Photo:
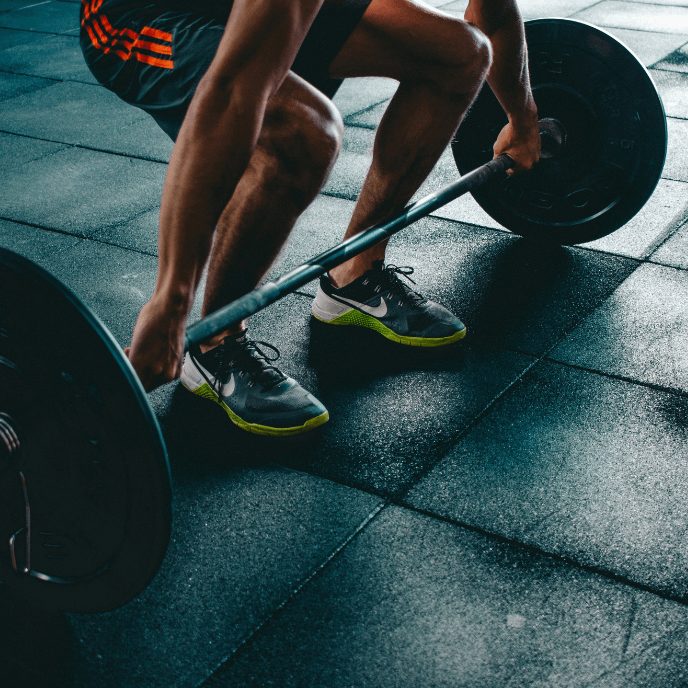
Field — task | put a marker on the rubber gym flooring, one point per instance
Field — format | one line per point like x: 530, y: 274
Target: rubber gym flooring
x: 512, y: 513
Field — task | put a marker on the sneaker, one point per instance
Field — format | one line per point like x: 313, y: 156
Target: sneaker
x: 380, y: 301
x: 239, y: 375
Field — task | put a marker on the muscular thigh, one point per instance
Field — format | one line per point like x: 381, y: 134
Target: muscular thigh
x: 401, y: 39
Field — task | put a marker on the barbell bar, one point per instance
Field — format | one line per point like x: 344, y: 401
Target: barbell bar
x: 85, y: 492
x: 268, y: 293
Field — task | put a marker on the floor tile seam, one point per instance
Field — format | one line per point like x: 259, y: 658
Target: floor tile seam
x: 586, y: 9
x: 654, y: 66
x: 43, y: 33
x: 81, y: 146
x: 53, y: 230
x: 647, y: 261
x: 122, y: 246
x: 587, y: 313
x: 539, y: 358
x: 624, y: 659
x: 357, y: 125
x: 535, y: 549
x: 666, y: 70
x: 682, y: 223
x: 136, y: 216
x: 674, y: 179
x: 37, y: 89
x: 629, y: 626
x: 27, y: 6
x: 674, y: 391
x: 651, y: 261
x: 41, y: 76
x: 655, y: 4
x: 223, y: 665
x: 43, y: 156
x: 362, y: 111
x: 382, y: 495
x: 73, y: 248
x: 626, y: 28
x: 664, y: 236
x: 81, y: 237
x: 454, y: 439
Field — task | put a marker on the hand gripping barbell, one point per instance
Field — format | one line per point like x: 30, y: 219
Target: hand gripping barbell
x: 84, y: 476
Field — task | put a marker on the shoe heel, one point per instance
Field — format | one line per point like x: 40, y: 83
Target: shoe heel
x: 326, y: 309
x: 190, y: 377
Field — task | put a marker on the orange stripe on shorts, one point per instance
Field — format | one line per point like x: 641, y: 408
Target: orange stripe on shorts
x: 154, y: 47
x: 101, y: 34
x: 156, y: 33
x: 154, y: 61
x: 125, y: 42
x: 93, y: 38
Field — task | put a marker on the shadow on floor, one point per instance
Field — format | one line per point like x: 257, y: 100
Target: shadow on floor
x: 36, y: 648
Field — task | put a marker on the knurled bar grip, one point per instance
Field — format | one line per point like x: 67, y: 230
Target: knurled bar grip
x: 268, y: 293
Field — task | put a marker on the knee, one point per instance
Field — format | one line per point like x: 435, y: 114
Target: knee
x: 320, y: 134
x: 480, y: 49
x: 304, y: 137
x: 468, y: 58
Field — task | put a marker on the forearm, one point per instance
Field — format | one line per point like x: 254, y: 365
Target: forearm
x: 213, y: 149
x: 508, y: 77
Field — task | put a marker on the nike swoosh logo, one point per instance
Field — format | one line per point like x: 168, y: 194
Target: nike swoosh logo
x: 228, y: 388
x: 378, y: 311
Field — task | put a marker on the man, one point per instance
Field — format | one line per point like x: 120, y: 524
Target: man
x: 241, y: 86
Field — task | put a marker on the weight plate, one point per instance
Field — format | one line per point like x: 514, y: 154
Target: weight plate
x: 84, y: 477
x: 616, y: 137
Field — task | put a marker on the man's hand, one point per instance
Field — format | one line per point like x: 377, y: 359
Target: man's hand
x: 157, y: 346
x: 521, y: 142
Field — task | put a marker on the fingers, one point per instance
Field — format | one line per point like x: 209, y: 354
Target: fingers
x: 524, y: 160
x: 522, y: 145
x: 152, y: 379
x: 153, y: 375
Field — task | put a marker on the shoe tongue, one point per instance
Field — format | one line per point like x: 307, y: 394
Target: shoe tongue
x: 239, y: 338
x: 267, y: 375
x: 235, y: 341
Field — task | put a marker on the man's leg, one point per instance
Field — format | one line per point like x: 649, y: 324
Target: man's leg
x: 297, y: 148
x: 298, y: 144
x: 440, y: 62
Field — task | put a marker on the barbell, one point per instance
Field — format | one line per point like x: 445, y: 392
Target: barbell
x: 85, y: 496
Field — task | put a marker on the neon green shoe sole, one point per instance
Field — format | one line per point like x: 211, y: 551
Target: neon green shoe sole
x: 355, y: 318
x: 206, y: 392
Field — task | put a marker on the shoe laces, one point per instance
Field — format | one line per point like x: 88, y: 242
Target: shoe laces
x: 244, y: 356
x: 397, y: 288
x: 255, y: 358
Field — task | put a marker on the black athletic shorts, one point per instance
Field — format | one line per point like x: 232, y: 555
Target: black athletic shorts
x: 153, y: 55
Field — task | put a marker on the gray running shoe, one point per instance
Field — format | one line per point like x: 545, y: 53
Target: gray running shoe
x: 239, y: 375
x: 380, y: 301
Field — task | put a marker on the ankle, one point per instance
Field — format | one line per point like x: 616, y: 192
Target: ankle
x: 218, y: 339
x: 350, y: 271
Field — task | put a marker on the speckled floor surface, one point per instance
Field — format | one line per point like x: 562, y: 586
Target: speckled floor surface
x: 512, y: 513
